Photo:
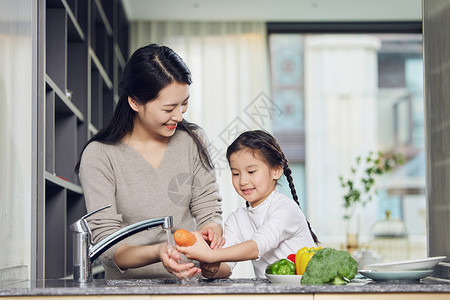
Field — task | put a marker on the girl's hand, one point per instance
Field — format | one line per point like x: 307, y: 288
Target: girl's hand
x: 200, y: 251
x: 214, y: 240
x: 170, y: 256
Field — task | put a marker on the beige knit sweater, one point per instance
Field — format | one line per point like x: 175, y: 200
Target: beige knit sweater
x: 180, y: 187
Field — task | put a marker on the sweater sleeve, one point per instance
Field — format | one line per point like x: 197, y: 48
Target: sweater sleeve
x: 98, y: 182
x: 206, y: 200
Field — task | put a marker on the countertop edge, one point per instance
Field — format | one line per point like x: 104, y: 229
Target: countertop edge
x: 230, y: 286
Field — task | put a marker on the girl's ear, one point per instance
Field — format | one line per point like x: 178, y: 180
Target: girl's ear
x: 133, y: 104
x: 277, y: 172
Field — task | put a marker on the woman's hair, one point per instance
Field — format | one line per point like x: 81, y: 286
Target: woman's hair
x: 149, y: 69
x: 268, y: 147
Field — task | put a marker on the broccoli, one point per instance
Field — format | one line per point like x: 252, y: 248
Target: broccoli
x: 330, y: 266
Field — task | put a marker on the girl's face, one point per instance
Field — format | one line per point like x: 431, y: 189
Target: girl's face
x: 159, y: 117
x: 252, y: 178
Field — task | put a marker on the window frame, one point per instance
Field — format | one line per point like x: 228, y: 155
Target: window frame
x: 344, y: 27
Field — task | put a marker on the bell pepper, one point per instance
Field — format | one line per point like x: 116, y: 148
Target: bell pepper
x: 291, y: 257
x: 302, y: 258
x: 281, y: 267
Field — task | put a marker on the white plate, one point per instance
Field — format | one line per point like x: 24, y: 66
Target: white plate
x: 407, y: 265
x: 286, y: 279
x: 395, y: 275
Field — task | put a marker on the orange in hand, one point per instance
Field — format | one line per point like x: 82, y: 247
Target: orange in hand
x: 184, y: 238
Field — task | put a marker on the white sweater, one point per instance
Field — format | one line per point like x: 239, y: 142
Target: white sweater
x: 278, y: 226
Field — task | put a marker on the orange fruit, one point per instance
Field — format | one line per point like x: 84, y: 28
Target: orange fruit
x: 184, y: 238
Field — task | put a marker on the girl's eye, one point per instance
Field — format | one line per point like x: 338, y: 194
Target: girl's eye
x: 251, y: 172
x: 235, y: 174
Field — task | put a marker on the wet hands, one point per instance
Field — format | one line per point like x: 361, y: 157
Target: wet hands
x: 210, y: 241
x: 202, y: 250
x: 171, y: 259
x: 177, y: 263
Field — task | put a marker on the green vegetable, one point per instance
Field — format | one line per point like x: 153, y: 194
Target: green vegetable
x: 281, y: 267
x: 330, y: 266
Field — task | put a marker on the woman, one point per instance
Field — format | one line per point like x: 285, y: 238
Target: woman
x: 149, y: 162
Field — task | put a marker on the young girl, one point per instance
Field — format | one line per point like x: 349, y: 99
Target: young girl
x: 271, y: 227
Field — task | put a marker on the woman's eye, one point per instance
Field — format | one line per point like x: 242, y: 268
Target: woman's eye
x: 251, y: 172
x: 235, y: 174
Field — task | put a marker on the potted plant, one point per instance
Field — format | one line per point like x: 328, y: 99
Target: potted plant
x: 360, y: 188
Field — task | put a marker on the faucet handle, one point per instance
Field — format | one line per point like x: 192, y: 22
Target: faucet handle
x: 81, y: 225
x: 93, y: 212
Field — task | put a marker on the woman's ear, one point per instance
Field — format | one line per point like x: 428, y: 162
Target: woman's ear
x: 133, y: 104
x: 277, y: 172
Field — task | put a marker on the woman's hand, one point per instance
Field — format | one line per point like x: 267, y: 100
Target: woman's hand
x: 214, y: 240
x: 170, y: 256
x: 209, y: 270
x: 200, y: 251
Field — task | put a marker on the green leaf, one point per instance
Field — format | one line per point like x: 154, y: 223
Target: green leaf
x: 376, y: 165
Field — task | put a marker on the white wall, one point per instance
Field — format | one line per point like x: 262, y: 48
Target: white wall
x: 15, y: 138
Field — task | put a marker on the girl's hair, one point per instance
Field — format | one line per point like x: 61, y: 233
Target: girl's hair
x: 149, y: 69
x: 268, y: 147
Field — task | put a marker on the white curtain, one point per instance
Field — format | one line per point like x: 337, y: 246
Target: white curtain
x: 17, y: 134
x: 229, y: 94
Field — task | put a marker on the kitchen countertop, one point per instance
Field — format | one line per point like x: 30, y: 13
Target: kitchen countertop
x: 58, y: 287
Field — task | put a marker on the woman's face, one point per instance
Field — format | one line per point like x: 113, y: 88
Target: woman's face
x: 159, y: 117
x: 252, y: 178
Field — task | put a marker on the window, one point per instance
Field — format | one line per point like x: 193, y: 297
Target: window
x: 343, y: 95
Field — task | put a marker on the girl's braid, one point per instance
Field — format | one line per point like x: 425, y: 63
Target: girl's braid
x: 287, y: 172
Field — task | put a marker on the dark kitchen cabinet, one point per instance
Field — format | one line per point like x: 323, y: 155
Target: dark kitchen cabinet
x: 82, y: 48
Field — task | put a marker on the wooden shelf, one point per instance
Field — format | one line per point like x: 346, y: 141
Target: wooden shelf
x: 104, y: 18
x: 101, y: 69
x: 58, y: 181
x: 74, y: 30
x: 93, y: 129
x: 71, y: 108
x: 119, y: 56
x: 85, y: 44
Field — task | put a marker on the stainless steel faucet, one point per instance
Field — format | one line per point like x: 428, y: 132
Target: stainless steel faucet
x: 85, y: 252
